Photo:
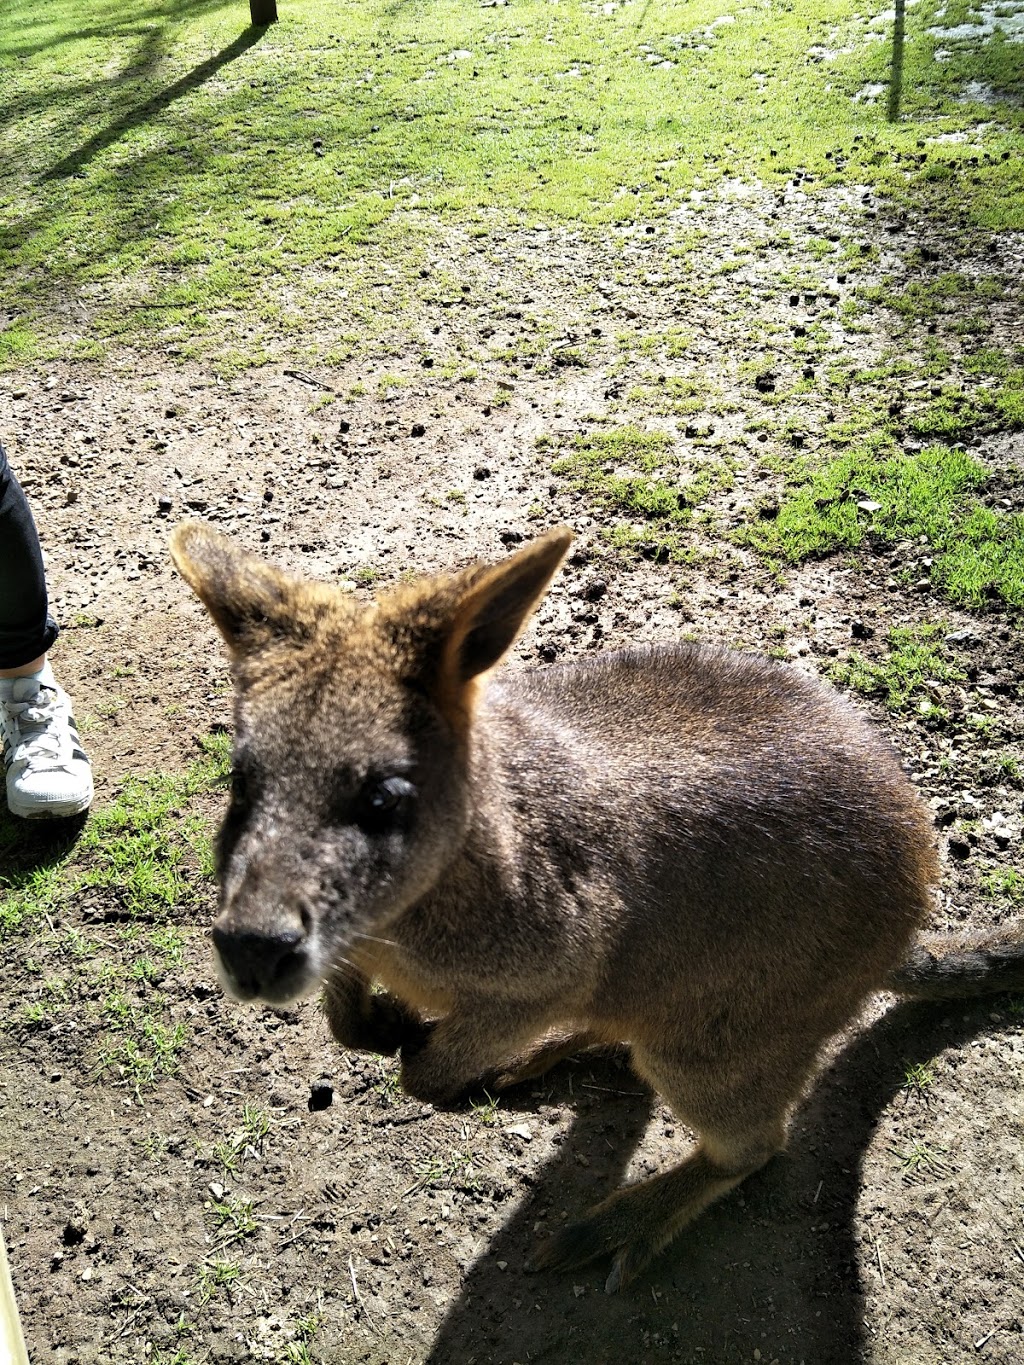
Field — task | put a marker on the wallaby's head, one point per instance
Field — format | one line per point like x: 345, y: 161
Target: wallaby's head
x: 350, y: 789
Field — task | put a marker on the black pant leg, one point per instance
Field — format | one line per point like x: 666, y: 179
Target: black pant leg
x: 26, y: 627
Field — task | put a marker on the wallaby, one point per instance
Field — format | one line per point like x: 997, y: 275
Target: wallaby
x: 696, y: 852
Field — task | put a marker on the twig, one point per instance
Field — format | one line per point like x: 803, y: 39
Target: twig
x: 881, y: 1267
x: 358, y: 1296
x: 127, y: 1323
x: 981, y: 1340
x: 817, y: 1192
x: 387, y: 1122
x: 607, y: 1090
x: 305, y: 378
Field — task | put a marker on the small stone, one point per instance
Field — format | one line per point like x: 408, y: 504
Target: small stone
x: 481, y: 472
x: 418, y: 429
x: 164, y: 504
x: 595, y: 590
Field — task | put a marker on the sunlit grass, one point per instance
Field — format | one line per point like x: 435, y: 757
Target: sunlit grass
x: 194, y: 183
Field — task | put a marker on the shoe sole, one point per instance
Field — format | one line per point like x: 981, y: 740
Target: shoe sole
x: 63, y: 811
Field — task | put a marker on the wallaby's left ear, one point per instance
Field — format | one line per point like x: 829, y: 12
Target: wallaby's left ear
x: 496, y: 605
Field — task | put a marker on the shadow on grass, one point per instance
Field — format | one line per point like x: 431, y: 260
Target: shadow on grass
x: 28, y: 846
x: 126, y: 23
x: 774, y: 1268
x: 76, y: 160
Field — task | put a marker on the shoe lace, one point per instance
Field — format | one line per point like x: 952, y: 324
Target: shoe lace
x: 39, y: 740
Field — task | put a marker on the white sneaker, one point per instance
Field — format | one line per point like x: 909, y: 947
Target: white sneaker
x: 48, y: 774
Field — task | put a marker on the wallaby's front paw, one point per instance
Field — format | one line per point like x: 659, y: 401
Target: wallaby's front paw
x: 426, y: 1076
x: 375, y: 1023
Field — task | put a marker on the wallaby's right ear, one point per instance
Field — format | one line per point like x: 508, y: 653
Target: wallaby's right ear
x: 249, y: 600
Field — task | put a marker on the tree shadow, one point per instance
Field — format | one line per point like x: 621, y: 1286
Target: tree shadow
x: 775, y: 1268
x: 76, y: 160
x: 125, y: 25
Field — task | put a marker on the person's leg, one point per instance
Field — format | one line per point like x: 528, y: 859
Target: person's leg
x: 48, y: 774
x: 27, y: 630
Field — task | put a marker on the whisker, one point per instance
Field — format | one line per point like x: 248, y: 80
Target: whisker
x: 372, y: 938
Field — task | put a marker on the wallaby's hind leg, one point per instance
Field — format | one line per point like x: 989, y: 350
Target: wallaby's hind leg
x: 636, y: 1223
x: 366, y: 1020
x: 741, y: 1123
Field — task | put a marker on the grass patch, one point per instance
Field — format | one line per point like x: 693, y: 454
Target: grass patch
x: 915, y: 662
x: 141, y: 867
x: 977, y: 553
x: 640, y: 475
x: 198, y: 184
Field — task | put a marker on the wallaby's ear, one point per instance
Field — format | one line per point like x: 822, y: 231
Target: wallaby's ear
x: 496, y: 605
x: 249, y: 600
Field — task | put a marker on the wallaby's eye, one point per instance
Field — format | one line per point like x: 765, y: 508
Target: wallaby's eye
x: 383, y: 804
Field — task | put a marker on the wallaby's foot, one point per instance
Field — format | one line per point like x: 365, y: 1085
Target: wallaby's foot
x: 636, y: 1223
x: 535, y: 1061
x: 367, y: 1022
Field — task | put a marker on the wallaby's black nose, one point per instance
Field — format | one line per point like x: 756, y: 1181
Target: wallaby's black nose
x: 270, y: 963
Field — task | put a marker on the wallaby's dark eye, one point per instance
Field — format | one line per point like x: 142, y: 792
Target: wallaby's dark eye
x: 383, y: 804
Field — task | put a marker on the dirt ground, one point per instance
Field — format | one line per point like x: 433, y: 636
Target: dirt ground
x: 890, y: 1232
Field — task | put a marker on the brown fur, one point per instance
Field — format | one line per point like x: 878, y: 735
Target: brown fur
x: 704, y: 855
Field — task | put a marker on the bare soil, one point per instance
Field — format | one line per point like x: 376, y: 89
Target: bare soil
x: 892, y: 1230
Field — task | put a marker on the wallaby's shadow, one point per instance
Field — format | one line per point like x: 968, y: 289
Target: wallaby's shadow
x: 775, y: 1267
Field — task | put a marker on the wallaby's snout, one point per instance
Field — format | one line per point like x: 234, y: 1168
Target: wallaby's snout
x: 269, y: 963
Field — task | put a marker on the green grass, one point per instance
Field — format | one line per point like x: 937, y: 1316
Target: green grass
x: 142, y: 866
x: 915, y: 658
x: 195, y: 184
x: 1005, y: 883
x: 641, y: 475
x: 919, y: 1079
x: 977, y: 553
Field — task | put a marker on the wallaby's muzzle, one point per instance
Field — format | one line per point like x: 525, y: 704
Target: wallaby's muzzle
x: 271, y: 964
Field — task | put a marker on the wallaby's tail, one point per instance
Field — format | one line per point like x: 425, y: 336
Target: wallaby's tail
x: 955, y: 967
